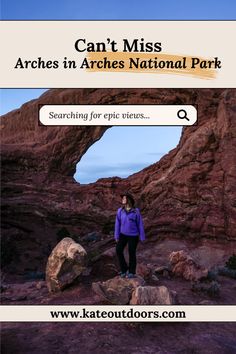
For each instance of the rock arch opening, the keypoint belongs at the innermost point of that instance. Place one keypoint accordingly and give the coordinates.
(123, 151)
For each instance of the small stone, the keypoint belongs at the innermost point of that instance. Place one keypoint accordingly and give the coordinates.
(160, 269)
(166, 273)
(40, 284)
(206, 302)
(19, 298)
(154, 277)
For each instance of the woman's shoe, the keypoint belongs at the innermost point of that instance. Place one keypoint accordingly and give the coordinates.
(131, 275)
(123, 275)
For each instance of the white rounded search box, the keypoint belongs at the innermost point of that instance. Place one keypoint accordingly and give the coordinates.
(118, 115)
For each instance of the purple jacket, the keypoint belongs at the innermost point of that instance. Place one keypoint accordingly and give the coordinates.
(129, 223)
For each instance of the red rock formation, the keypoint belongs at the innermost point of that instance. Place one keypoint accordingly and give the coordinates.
(190, 192)
(153, 295)
(117, 290)
(66, 262)
(184, 265)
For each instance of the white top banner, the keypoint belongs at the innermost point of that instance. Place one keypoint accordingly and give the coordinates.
(102, 54)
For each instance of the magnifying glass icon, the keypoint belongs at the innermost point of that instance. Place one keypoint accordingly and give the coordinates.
(182, 114)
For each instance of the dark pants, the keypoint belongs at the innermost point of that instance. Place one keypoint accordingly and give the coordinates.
(132, 245)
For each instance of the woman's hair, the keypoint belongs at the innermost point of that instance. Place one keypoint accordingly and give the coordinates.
(130, 201)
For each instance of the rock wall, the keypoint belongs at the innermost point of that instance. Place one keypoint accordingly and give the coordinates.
(190, 192)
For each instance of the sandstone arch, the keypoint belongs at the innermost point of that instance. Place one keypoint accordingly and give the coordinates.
(190, 192)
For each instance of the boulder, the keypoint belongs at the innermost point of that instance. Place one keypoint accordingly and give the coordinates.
(66, 262)
(184, 265)
(117, 291)
(153, 295)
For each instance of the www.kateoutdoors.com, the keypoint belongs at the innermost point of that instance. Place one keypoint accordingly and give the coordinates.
(123, 314)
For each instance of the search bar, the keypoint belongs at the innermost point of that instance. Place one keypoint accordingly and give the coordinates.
(117, 115)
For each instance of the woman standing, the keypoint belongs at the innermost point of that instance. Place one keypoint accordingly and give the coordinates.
(128, 230)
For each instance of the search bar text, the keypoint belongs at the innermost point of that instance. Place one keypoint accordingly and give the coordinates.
(118, 115)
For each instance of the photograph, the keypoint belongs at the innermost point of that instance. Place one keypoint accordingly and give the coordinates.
(118, 177)
(162, 234)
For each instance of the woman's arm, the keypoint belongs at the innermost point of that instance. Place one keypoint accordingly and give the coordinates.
(117, 226)
(140, 226)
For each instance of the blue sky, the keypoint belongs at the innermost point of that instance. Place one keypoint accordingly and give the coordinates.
(125, 150)
(132, 148)
(121, 9)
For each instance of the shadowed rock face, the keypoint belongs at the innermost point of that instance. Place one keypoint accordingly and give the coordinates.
(30, 146)
(190, 192)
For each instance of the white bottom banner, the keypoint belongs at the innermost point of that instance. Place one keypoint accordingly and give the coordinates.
(118, 313)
